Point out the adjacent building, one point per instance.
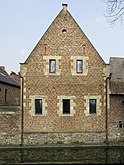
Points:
(116, 112)
(10, 112)
(9, 89)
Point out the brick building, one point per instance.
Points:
(10, 114)
(65, 87)
(9, 89)
(116, 112)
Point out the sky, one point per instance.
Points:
(23, 23)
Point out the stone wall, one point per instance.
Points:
(62, 138)
(10, 125)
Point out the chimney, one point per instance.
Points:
(65, 6)
(2, 67)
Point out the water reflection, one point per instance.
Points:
(67, 155)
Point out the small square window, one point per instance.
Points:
(38, 106)
(92, 106)
(79, 66)
(52, 66)
(66, 106)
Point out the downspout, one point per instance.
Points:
(107, 104)
(107, 110)
(22, 114)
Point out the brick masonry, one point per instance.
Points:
(65, 42)
(12, 96)
(10, 125)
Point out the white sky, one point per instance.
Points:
(23, 22)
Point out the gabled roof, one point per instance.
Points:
(64, 22)
(116, 87)
(6, 79)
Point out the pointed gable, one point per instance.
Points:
(64, 34)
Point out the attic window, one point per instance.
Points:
(64, 31)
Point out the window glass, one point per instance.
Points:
(79, 66)
(38, 106)
(66, 106)
(52, 66)
(92, 104)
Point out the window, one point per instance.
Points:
(5, 95)
(66, 106)
(52, 66)
(38, 106)
(92, 106)
(121, 124)
(64, 31)
(79, 66)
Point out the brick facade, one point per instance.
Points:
(9, 95)
(66, 45)
(10, 125)
(9, 89)
(65, 42)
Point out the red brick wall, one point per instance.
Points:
(12, 96)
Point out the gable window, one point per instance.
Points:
(38, 106)
(66, 106)
(92, 106)
(79, 66)
(52, 66)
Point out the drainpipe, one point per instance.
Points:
(107, 104)
(22, 114)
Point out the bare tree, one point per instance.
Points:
(115, 11)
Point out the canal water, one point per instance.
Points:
(62, 155)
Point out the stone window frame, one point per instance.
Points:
(98, 106)
(60, 105)
(46, 68)
(74, 65)
(32, 105)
